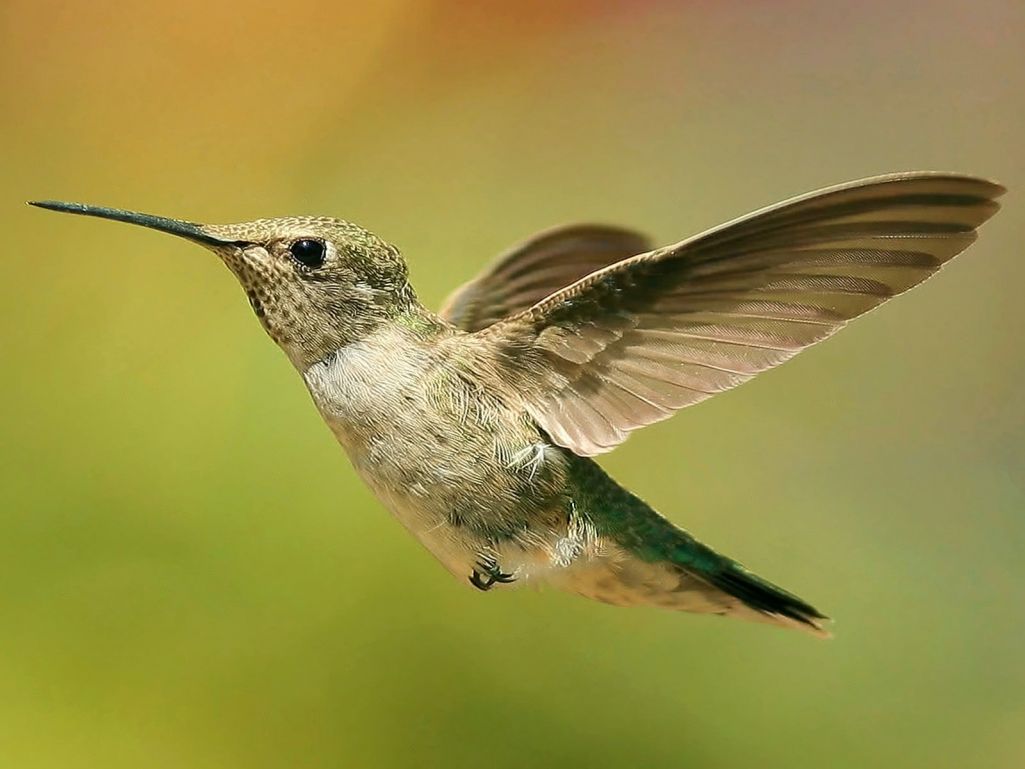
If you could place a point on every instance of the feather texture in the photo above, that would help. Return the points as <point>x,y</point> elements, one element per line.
<point>633,342</point>
<point>529,272</point>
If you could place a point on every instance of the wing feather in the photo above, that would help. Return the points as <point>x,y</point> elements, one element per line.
<point>537,268</point>
<point>632,342</point>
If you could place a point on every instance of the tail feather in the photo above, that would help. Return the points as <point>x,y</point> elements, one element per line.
<point>763,596</point>
<point>645,559</point>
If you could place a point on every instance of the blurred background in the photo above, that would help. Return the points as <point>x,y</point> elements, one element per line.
<point>192,576</point>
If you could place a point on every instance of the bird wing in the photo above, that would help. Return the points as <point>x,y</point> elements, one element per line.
<point>630,344</point>
<point>536,268</point>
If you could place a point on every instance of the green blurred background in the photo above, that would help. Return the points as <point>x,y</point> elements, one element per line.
<point>192,576</point>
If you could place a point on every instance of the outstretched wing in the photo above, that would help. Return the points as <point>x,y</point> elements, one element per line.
<point>529,272</point>
<point>632,343</point>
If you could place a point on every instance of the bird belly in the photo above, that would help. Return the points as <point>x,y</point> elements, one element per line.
<point>468,476</point>
<point>466,510</point>
<point>426,520</point>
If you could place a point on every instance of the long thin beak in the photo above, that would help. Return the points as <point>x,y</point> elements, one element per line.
<point>187,230</point>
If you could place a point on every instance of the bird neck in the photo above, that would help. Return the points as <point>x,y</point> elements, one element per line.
<point>408,322</point>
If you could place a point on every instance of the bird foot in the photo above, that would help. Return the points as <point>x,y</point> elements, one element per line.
<point>487,575</point>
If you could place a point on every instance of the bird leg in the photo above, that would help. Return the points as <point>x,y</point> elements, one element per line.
<point>487,574</point>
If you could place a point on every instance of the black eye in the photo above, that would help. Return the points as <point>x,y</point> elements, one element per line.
<point>308,252</point>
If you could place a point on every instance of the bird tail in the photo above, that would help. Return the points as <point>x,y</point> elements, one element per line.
<point>643,558</point>
<point>771,602</point>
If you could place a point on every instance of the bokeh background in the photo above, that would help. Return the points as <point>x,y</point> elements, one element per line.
<point>192,576</point>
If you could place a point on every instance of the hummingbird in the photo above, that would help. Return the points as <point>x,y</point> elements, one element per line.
<point>477,425</point>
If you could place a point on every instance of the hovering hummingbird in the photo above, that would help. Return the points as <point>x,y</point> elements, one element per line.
<point>476,426</point>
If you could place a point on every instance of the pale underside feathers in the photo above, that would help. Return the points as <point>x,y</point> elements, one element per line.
<point>628,343</point>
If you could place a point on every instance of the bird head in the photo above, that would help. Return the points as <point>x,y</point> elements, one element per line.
<point>315,283</point>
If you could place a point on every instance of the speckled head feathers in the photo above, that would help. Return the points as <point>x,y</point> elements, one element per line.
<point>315,283</point>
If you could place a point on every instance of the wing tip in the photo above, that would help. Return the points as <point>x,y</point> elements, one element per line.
<point>991,187</point>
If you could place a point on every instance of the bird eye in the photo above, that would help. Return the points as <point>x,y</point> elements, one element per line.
<point>308,252</point>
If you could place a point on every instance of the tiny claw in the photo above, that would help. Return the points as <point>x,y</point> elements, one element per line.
<point>479,583</point>
<point>487,574</point>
